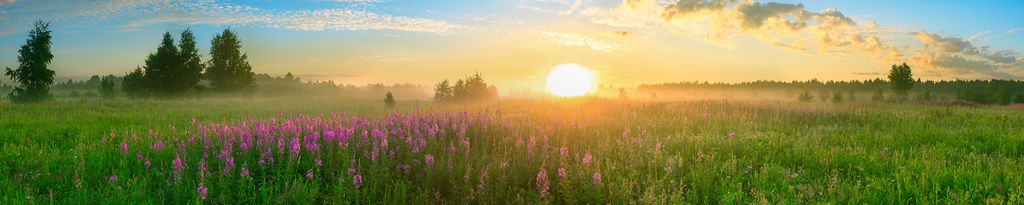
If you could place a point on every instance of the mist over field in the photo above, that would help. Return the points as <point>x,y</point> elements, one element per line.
<point>511,102</point>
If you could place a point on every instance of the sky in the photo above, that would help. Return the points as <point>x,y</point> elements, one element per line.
<point>515,43</point>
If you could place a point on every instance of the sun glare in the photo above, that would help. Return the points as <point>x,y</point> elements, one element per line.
<point>569,80</point>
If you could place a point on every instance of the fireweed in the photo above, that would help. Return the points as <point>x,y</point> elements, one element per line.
<point>705,152</point>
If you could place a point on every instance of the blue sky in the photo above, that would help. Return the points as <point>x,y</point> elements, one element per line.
<point>514,43</point>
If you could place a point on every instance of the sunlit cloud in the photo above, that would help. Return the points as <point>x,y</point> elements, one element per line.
<point>617,33</point>
<point>505,64</point>
<point>387,59</point>
<point>867,73</point>
<point>575,39</point>
<point>1015,30</point>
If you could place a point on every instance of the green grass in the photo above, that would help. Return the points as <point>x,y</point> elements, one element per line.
<point>719,152</point>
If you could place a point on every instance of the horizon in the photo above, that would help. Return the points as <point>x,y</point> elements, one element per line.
<point>515,43</point>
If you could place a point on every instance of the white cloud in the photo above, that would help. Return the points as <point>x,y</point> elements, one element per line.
<point>575,39</point>
<point>134,14</point>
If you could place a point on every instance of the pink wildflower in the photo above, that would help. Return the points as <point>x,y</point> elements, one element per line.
<point>309,174</point>
<point>587,159</point>
<point>561,172</point>
<point>597,177</point>
<point>124,148</point>
<point>429,159</point>
<point>668,169</point>
<point>201,190</point>
<point>543,183</point>
<point>357,180</point>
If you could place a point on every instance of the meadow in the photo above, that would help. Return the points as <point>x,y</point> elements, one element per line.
<point>319,151</point>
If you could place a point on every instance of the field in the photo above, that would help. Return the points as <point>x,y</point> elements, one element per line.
<point>273,151</point>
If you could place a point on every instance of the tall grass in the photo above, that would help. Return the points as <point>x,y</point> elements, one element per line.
<point>697,152</point>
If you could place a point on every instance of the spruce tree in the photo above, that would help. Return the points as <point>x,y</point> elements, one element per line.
<point>191,66</point>
<point>162,69</point>
<point>228,68</point>
<point>32,73</point>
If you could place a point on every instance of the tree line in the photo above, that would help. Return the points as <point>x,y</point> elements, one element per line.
<point>899,83</point>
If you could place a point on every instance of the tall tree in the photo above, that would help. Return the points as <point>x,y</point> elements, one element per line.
<point>901,80</point>
<point>442,91</point>
<point>228,68</point>
<point>162,68</point>
<point>1003,97</point>
<point>191,66</point>
<point>134,84</point>
<point>107,87</point>
<point>33,75</point>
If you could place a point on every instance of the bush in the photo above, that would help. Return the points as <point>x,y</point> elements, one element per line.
<point>389,100</point>
<point>837,97</point>
<point>805,96</point>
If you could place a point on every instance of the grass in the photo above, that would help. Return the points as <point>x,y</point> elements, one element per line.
<point>691,152</point>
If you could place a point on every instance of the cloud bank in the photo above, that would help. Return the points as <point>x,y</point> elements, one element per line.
<point>130,15</point>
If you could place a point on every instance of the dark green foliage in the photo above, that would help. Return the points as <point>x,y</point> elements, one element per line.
<point>837,97</point>
<point>901,80</point>
<point>389,100</point>
<point>443,91</point>
<point>134,84</point>
<point>170,73</point>
<point>926,95</point>
<point>107,87</point>
<point>471,89</point>
<point>1019,98</point>
<point>92,83</point>
<point>32,73</point>
<point>191,66</point>
<point>959,95</point>
<point>91,94</point>
<point>1003,97</point>
<point>823,95</point>
<point>161,68</point>
<point>805,96</point>
<point>228,68</point>
<point>879,94</point>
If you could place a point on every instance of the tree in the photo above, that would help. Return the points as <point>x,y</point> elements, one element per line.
<point>878,94</point>
<point>162,67</point>
<point>1003,97</point>
<point>837,97</point>
<point>191,70</point>
<point>959,95</point>
<point>925,96</point>
<point>622,94</point>
<point>107,87</point>
<point>228,68</point>
<point>1019,98</point>
<point>823,95</point>
<point>900,80</point>
<point>32,73</point>
<point>850,96</point>
<point>471,89</point>
<point>442,92</point>
<point>134,84</point>
<point>389,100</point>
<point>805,96</point>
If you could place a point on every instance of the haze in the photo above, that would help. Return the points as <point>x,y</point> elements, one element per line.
<point>516,43</point>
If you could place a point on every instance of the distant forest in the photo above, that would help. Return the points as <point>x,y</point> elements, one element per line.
<point>943,90</point>
<point>268,86</point>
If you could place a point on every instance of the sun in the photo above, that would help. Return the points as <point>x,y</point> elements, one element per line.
<point>569,80</point>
